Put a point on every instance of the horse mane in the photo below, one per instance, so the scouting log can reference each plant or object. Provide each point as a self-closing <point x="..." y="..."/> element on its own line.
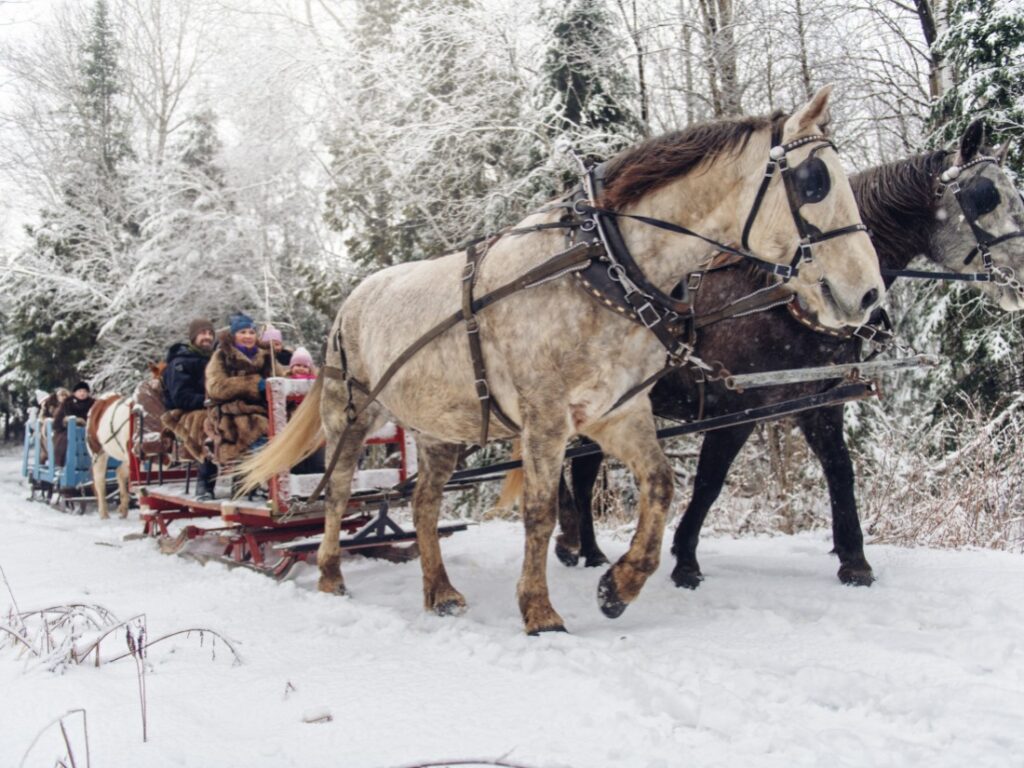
<point x="644" y="168"/>
<point x="897" y="203"/>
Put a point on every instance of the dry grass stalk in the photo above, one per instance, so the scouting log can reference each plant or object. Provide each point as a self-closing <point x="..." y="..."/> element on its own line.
<point x="67" y="760"/>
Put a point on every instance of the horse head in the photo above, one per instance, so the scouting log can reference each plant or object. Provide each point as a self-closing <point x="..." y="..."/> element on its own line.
<point x="980" y="219"/>
<point x="811" y="211"/>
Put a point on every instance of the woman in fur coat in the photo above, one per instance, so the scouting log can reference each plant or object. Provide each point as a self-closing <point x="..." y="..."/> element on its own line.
<point x="236" y="388"/>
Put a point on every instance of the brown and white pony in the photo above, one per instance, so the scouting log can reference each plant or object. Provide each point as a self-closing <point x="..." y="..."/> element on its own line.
<point x="557" y="362"/>
<point x="108" y="435"/>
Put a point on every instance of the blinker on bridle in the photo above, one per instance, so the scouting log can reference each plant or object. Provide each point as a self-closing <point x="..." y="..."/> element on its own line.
<point x="806" y="183"/>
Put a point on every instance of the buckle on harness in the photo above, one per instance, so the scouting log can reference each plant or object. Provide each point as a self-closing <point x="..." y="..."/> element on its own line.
<point x="468" y="270"/>
<point x="582" y="201"/>
<point x="483" y="392"/>
<point x="472" y="326"/>
<point x="693" y="281"/>
<point x="806" y="252"/>
<point x="652" y="317"/>
<point x="679" y="354"/>
<point x="866" y="332"/>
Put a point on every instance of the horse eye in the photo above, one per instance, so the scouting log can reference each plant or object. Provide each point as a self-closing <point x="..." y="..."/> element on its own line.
<point x="980" y="197"/>
<point x="812" y="180"/>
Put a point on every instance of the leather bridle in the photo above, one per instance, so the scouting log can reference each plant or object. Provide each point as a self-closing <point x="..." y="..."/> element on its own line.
<point x="797" y="198"/>
<point x="993" y="273"/>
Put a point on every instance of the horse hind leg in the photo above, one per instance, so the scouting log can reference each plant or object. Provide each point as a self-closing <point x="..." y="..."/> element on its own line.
<point x="436" y="463"/>
<point x="123" y="492"/>
<point x="347" y="439"/>
<point x="631" y="438"/>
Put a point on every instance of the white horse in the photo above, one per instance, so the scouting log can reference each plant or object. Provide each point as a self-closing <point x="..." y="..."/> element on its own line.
<point x="557" y="361"/>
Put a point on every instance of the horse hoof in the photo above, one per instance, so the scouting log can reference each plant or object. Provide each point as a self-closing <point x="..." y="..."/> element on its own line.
<point x="595" y="559"/>
<point x="567" y="556"/>
<point x="450" y="608"/>
<point x="552" y="628"/>
<point x="687" y="578"/>
<point x="608" y="598"/>
<point x="856" y="576"/>
<point x="332" y="587"/>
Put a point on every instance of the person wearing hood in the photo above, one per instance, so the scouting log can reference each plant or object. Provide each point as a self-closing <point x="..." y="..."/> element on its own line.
<point x="184" y="384"/>
<point x="75" y="407"/>
<point x="236" y="390"/>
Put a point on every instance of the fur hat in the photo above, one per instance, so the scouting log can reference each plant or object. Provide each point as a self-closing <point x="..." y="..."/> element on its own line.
<point x="81" y="385"/>
<point x="270" y="333"/>
<point x="241" y="321"/>
<point x="301" y="356"/>
<point x="197" y="326"/>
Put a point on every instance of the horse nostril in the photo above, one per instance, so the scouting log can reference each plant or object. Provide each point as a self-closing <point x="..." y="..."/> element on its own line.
<point x="870" y="299"/>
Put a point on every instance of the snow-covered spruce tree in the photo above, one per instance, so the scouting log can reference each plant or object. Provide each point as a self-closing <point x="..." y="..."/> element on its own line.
<point x="86" y="233"/>
<point x="441" y="142"/>
<point x="589" y="99"/>
<point x="984" y="48"/>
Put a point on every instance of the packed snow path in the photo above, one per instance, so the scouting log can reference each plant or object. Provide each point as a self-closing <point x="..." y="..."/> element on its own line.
<point x="771" y="663"/>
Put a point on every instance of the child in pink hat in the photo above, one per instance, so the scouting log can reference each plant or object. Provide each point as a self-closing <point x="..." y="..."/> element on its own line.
<point x="302" y="365"/>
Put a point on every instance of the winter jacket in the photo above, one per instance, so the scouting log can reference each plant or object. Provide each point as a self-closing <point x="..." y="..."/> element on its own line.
<point x="185" y="378"/>
<point x="234" y="385"/>
<point x="72" y="407"/>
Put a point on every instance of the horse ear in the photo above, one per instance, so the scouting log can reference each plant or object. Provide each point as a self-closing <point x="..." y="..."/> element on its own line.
<point x="814" y="112"/>
<point x="972" y="140"/>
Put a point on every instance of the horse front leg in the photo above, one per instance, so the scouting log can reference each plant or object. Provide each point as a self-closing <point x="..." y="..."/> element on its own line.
<point x="823" y="429"/>
<point x="717" y="453"/>
<point x="99" y="484"/>
<point x="123" y="492"/>
<point x="544" y="438"/>
<point x="631" y="438"/>
<point x="436" y="463"/>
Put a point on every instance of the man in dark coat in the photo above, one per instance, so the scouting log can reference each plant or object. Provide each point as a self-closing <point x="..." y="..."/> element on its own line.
<point x="185" y="397"/>
<point x="75" y="407"/>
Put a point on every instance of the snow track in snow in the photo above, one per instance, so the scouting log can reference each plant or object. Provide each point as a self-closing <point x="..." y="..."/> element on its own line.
<point x="770" y="663"/>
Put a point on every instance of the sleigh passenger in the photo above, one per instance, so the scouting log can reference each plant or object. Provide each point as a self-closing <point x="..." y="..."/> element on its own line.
<point x="184" y="384"/>
<point x="75" y="407"/>
<point x="236" y="382"/>
<point x="273" y="339"/>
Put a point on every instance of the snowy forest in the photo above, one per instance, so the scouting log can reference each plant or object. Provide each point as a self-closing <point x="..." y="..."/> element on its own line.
<point x="167" y="159"/>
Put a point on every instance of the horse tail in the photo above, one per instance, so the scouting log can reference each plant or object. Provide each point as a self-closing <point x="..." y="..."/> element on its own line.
<point x="512" y="488"/>
<point x="300" y="438"/>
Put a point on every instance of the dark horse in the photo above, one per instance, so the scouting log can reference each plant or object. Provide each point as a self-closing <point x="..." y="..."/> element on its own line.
<point x="910" y="212"/>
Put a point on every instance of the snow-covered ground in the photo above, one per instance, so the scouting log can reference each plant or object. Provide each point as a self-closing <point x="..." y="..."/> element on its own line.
<point x="771" y="663"/>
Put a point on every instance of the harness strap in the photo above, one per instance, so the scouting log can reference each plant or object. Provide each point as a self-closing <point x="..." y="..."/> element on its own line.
<point x="780" y="270"/>
<point x="483" y="391"/>
<point x="774" y="296"/>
